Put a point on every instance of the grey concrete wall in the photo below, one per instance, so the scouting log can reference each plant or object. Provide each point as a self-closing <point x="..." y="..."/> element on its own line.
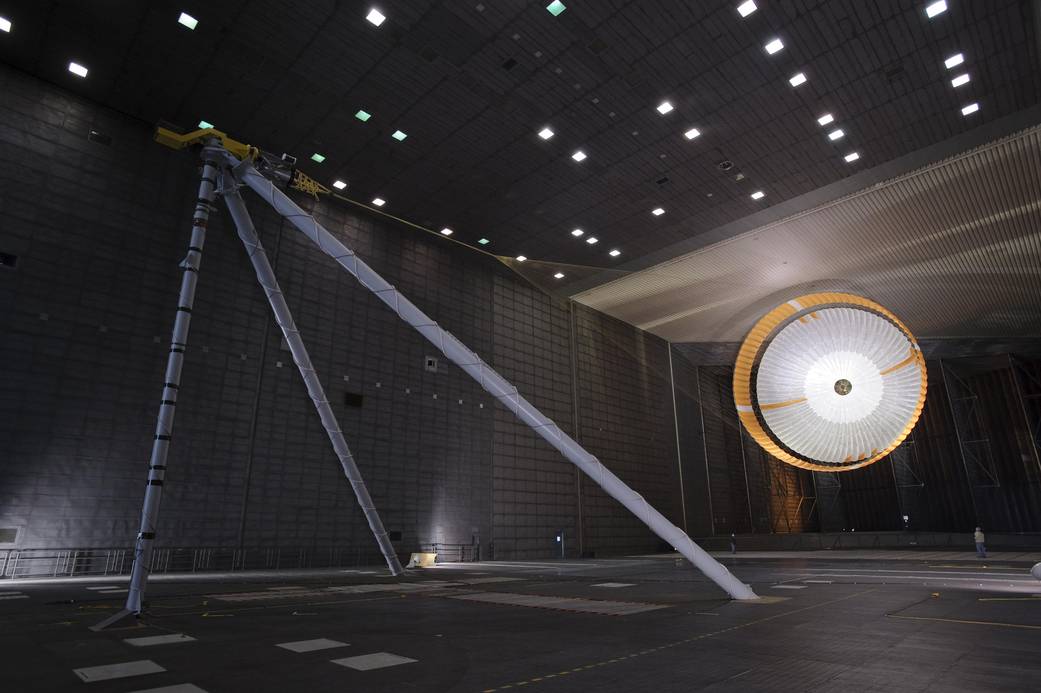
<point x="84" y="323"/>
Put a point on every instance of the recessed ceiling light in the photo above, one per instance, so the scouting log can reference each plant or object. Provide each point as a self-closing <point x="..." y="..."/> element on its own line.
<point x="938" y="7"/>
<point x="556" y="7"/>
<point x="362" y="116"/>
<point x="692" y="133"/>
<point x="664" y="107"/>
<point x="970" y="109"/>
<point x="773" y="46"/>
<point x="203" y="125"/>
<point x="960" y="80"/>
<point x="758" y="195"/>
<point x="339" y="184"/>
<point x="545" y="133"/>
<point x="837" y="134"/>
<point x="5" y="25"/>
<point x="851" y="157"/>
<point x="399" y="135"/>
<point x="77" y="69"/>
<point x="579" y="155"/>
<point x="954" y="61"/>
<point x="657" y="211"/>
<point x="484" y="241"/>
<point x="797" y="79"/>
<point x="375" y="17"/>
<point x="615" y="253"/>
<point x="187" y="20"/>
<point x="558" y="275"/>
<point x="577" y="232"/>
<point x="592" y="240"/>
<point x="825" y="119"/>
<point x="317" y="158"/>
<point x="521" y="258"/>
<point x="378" y="201"/>
<point x="446" y="231"/>
<point x="746" y="8"/>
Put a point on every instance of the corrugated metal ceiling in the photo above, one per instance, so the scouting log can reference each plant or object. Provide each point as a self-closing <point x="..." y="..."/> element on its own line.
<point x="954" y="249"/>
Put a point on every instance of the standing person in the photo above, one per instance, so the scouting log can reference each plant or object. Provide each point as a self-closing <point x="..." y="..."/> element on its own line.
<point x="981" y="550"/>
<point x="733" y="543"/>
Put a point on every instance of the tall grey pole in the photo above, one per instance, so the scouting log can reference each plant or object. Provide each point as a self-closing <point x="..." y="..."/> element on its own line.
<point x="491" y="381"/>
<point x="171" y="385"/>
<point x="266" y="276"/>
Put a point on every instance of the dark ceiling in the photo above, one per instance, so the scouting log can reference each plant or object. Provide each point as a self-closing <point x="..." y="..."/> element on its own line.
<point x="472" y="82"/>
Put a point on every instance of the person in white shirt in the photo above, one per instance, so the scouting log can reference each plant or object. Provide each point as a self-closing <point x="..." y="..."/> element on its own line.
<point x="981" y="550"/>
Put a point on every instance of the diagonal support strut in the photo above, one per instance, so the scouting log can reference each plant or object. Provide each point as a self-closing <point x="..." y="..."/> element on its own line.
<point x="491" y="381"/>
<point x="266" y="276"/>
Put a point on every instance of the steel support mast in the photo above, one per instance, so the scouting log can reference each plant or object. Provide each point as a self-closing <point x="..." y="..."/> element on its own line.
<point x="212" y="154"/>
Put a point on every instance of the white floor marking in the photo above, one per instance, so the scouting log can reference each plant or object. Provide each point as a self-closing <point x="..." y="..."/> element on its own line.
<point x="615" y="584"/>
<point x="158" y="640"/>
<point x="118" y="671"/>
<point x="278" y="589"/>
<point x="487" y="580"/>
<point x="116" y="591"/>
<point x="105" y="587"/>
<point x="178" y="688"/>
<point x="788" y="587"/>
<point x="538" y="601"/>
<point x="311" y="645"/>
<point x="13" y="595"/>
<point x="818" y="582"/>
<point x="376" y="660"/>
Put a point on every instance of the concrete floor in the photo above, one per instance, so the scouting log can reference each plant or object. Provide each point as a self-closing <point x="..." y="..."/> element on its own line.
<point x="927" y="622"/>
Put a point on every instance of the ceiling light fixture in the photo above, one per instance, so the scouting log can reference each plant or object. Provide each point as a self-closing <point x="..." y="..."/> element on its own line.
<point x="851" y="157"/>
<point x="484" y="241"/>
<point x="5" y="25"/>
<point x="577" y="232"/>
<point x="317" y="158"/>
<point x="592" y="240"/>
<point x="970" y="109"/>
<point x="558" y="275"/>
<point x="375" y="17"/>
<point x="758" y="195"/>
<point x="362" y="116"/>
<point x="664" y="107"/>
<point x="836" y="134"/>
<point x="615" y="253"/>
<point x="746" y="8"/>
<point x="545" y="133"/>
<point x="203" y="125"/>
<point x="692" y="133"/>
<point x="446" y="231"/>
<point x="378" y="201"/>
<point x="556" y="7"/>
<point x="938" y="7"/>
<point x="773" y="46"/>
<point x="797" y="79"/>
<point x="960" y="80"/>
<point x="399" y="135"/>
<point x="187" y="20"/>
<point x="521" y="258"/>
<point x="657" y="211"/>
<point x="954" y="61"/>
<point x="579" y="155"/>
<point x="825" y="119"/>
<point x="339" y="184"/>
<point x="78" y="70"/>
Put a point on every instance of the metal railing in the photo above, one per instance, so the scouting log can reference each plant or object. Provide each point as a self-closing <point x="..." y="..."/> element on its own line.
<point x="52" y="563"/>
<point x="453" y="553"/>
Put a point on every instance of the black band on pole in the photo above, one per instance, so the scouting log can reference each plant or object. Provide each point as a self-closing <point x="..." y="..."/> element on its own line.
<point x="146" y="535"/>
<point x="195" y="248"/>
<point x="168" y="402"/>
<point x="155" y="482"/>
<point x="185" y="309"/>
<point x="162" y="437"/>
<point x="172" y="386"/>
